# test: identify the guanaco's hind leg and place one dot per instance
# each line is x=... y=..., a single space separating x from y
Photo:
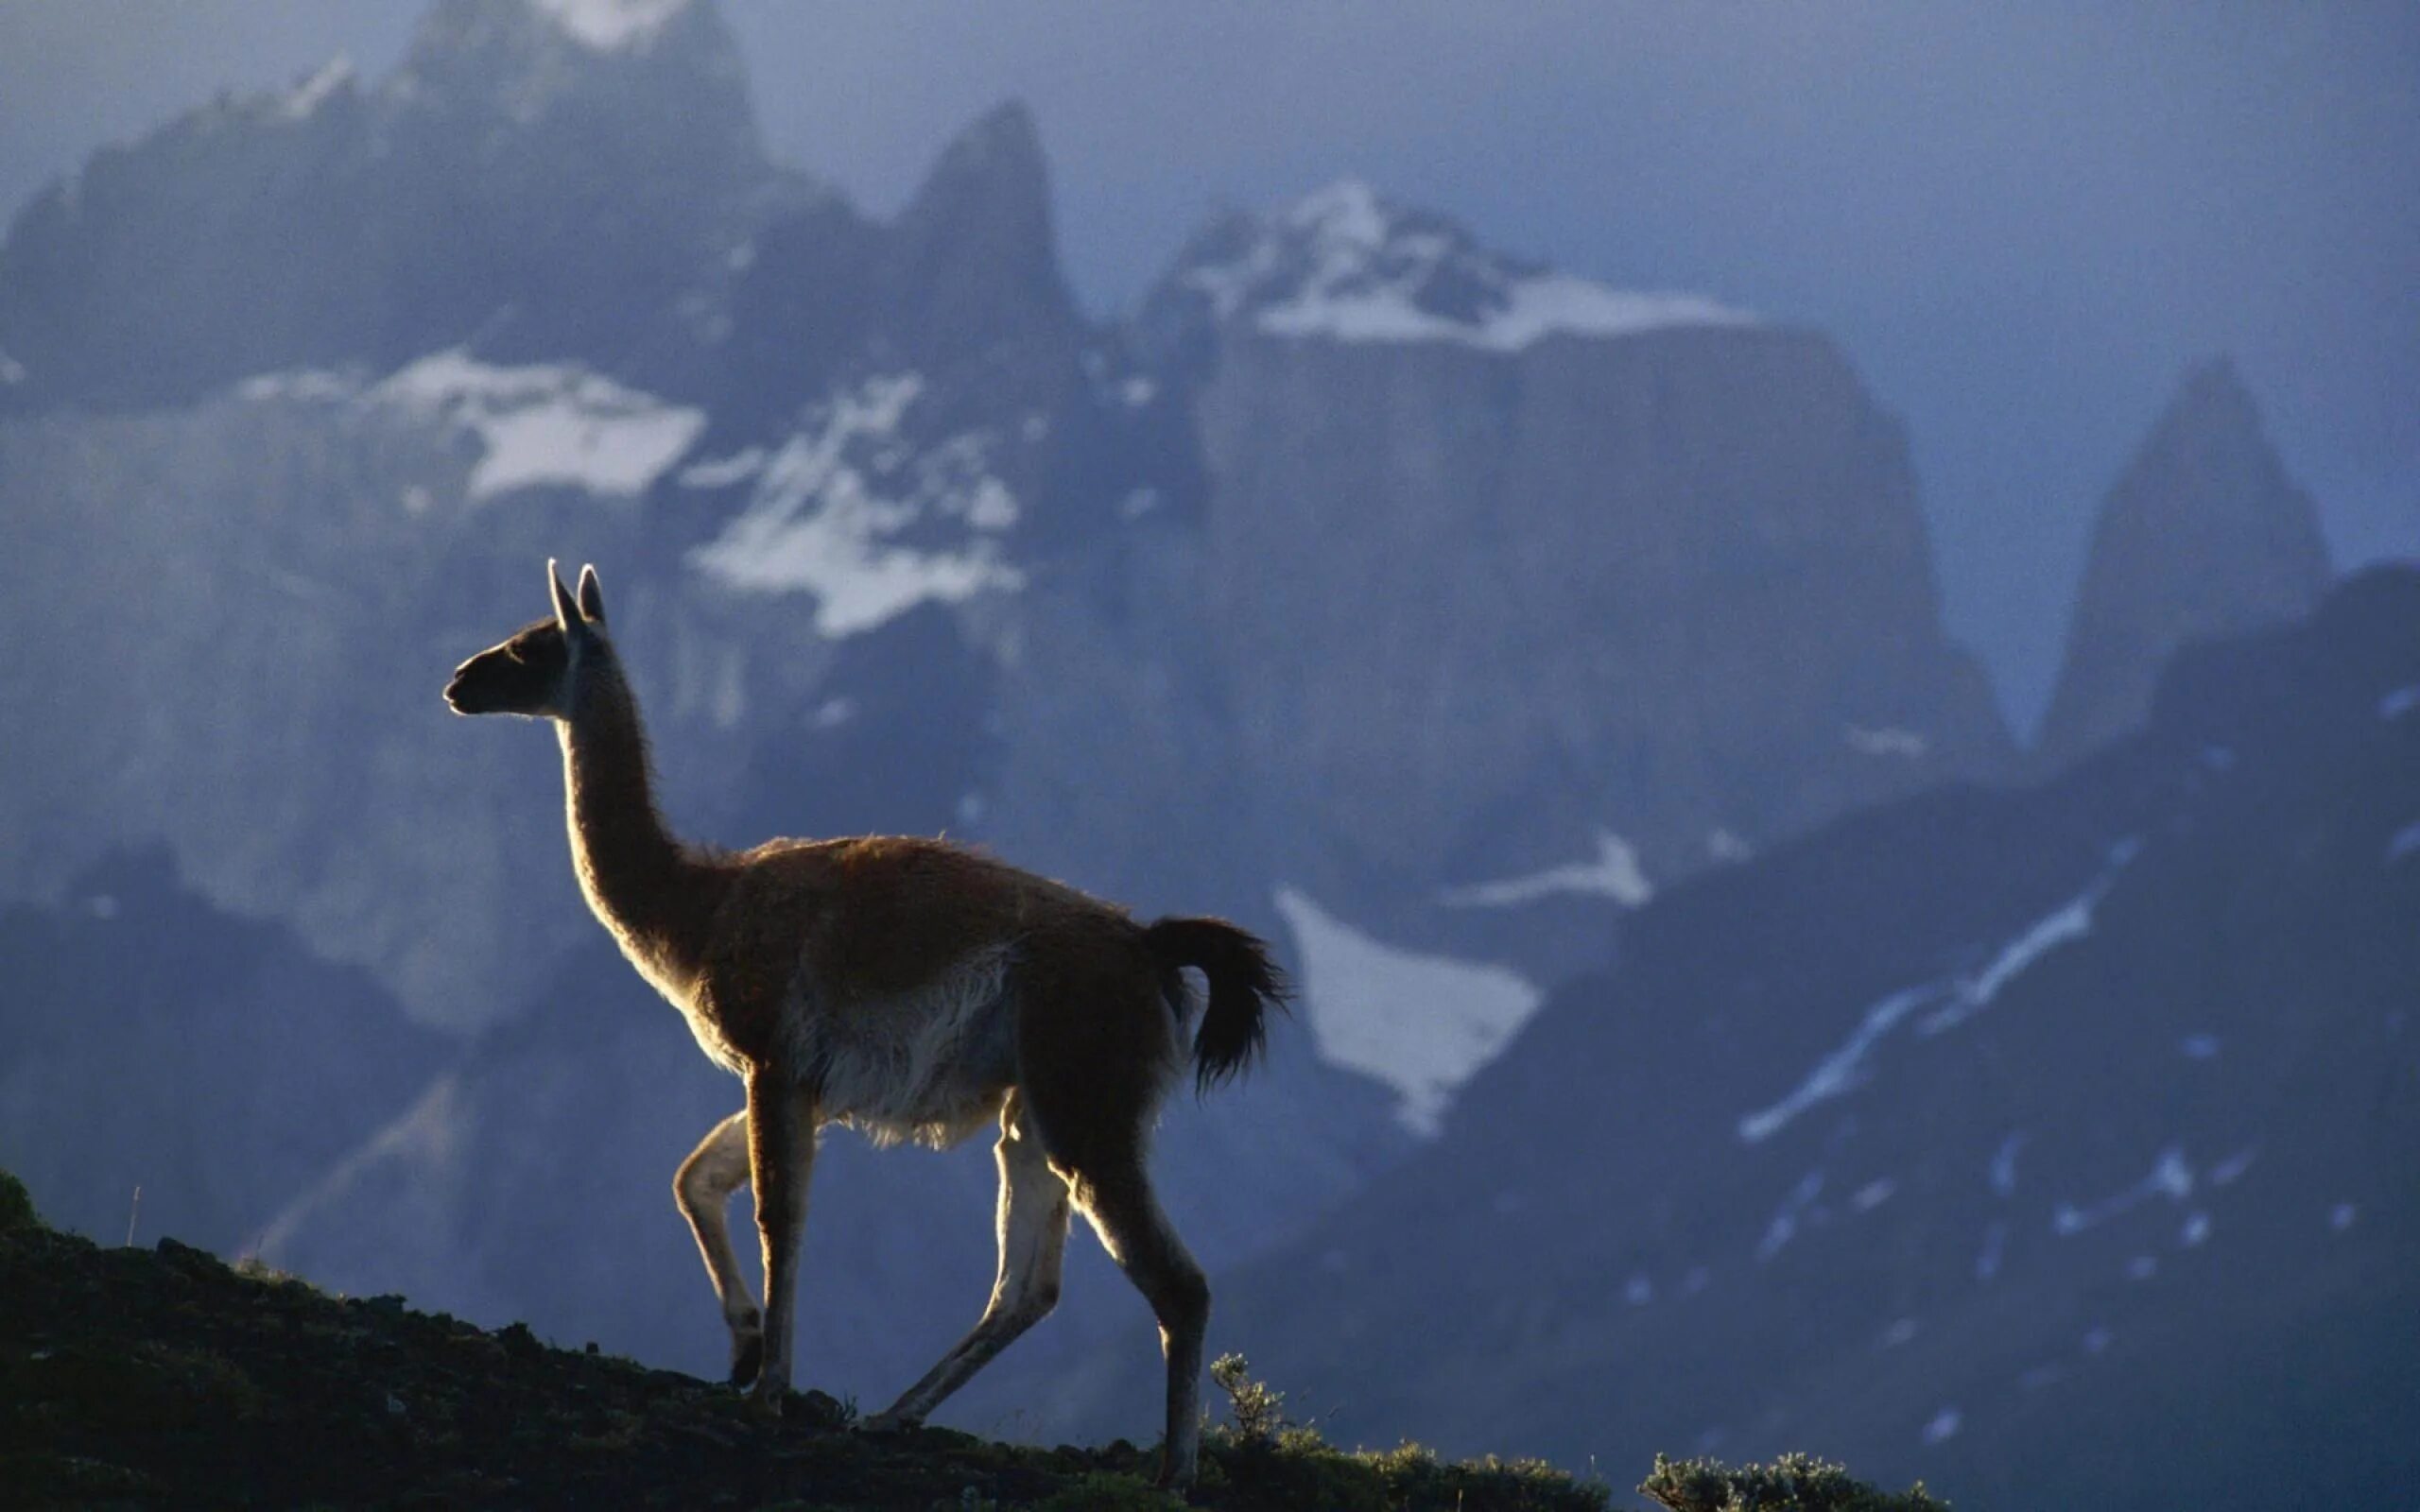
x=1115 y=1196
x=1033 y=1229
x=781 y=1159
x=712 y=1172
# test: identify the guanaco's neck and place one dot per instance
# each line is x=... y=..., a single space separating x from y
x=656 y=896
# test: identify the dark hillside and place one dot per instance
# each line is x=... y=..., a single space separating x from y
x=133 y=1378
x=163 y=1377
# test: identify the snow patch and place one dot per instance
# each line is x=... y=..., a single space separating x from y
x=1874 y=1195
x=1944 y=1426
x=1614 y=873
x=1889 y=740
x=1345 y=265
x=723 y=472
x=2400 y=703
x=611 y=26
x=430 y=1132
x=2170 y=1177
x=2199 y=1047
x=1721 y=844
x=1535 y=308
x=1842 y=1071
x=2068 y=922
x=1899 y=1333
x=1420 y=1023
x=547 y=425
x=11 y=370
x=304 y=99
x=2343 y=1216
x=1783 y=1227
x=1639 y=1291
x=833 y=508
x=2004 y=1163
x=304 y=386
x=2196 y=1231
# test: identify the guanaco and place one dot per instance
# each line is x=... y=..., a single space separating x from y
x=911 y=988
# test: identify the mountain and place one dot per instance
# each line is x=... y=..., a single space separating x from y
x=1419 y=606
x=2204 y=535
x=148 y=1053
x=528 y=182
x=1516 y=575
x=2051 y=1143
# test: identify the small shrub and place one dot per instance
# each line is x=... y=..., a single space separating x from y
x=16 y=1205
x=254 y=1268
x=1794 y=1483
x=1259 y=1411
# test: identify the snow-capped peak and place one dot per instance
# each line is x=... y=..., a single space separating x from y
x=1347 y=264
x=610 y=25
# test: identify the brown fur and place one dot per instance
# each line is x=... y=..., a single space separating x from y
x=914 y=987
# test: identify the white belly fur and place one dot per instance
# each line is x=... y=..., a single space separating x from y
x=930 y=1066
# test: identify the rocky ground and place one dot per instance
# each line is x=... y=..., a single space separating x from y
x=164 y=1377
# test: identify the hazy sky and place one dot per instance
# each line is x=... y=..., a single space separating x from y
x=2021 y=220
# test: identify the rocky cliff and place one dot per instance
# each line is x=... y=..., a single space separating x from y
x=1517 y=576
x=2204 y=535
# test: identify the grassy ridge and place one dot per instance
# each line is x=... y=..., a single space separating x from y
x=163 y=1377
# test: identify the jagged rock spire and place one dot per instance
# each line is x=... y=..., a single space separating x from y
x=2204 y=535
x=978 y=257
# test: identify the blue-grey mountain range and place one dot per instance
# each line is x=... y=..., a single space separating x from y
x=1451 y=620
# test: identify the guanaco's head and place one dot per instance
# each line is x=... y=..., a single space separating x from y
x=536 y=670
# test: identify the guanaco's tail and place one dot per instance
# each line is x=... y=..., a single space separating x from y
x=1244 y=984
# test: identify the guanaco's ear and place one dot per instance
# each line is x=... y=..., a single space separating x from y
x=566 y=613
x=591 y=596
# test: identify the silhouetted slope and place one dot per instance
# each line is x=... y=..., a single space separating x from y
x=162 y=1378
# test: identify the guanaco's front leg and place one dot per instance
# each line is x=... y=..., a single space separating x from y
x=780 y=1159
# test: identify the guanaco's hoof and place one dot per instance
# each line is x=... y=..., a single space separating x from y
x=768 y=1405
x=746 y=1359
x=885 y=1423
